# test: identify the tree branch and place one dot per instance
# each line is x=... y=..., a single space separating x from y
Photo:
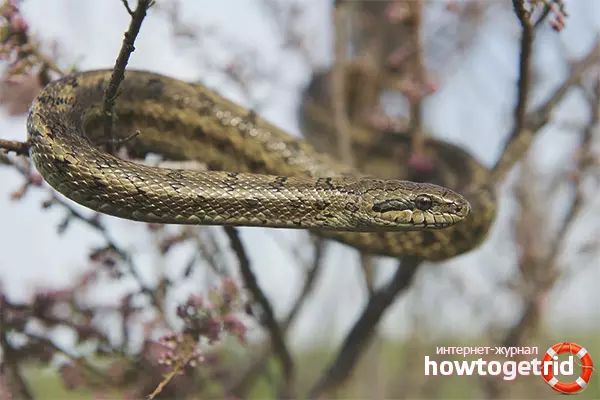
x=418 y=71
x=268 y=317
x=519 y=141
x=338 y=85
x=10 y=368
x=111 y=92
x=20 y=148
x=527 y=36
x=359 y=337
x=243 y=382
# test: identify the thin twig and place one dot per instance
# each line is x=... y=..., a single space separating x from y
x=94 y=222
x=46 y=61
x=368 y=266
x=542 y=18
x=268 y=317
x=244 y=381
x=527 y=36
x=520 y=137
x=359 y=337
x=540 y=116
x=18 y=384
x=176 y=369
x=311 y=277
x=80 y=361
x=545 y=270
x=20 y=148
x=416 y=103
x=338 y=86
x=118 y=73
x=581 y=163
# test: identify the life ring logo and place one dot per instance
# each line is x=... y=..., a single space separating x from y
x=549 y=367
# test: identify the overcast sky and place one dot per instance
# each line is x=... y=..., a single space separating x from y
x=472 y=110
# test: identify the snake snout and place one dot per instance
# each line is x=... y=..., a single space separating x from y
x=462 y=209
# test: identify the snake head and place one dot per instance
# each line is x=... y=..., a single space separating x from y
x=403 y=205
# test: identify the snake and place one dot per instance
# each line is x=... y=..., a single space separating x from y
x=386 y=153
x=257 y=175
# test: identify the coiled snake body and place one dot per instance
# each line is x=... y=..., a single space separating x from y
x=387 y=154
x=303 y=189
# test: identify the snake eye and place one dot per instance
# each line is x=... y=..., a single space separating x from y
x=423 y=202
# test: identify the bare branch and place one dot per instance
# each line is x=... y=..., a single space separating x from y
x=361 y=334
x=242 y=383
x=540 y=272
x=20 y=148
x=527 y=36
x=268 y=317
x=518 y=142
x=338 y=86
x=416 y=102
x=95 y=223
x=111 y=92
x=10 y=368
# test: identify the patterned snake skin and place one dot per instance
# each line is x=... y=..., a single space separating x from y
x=301 y=188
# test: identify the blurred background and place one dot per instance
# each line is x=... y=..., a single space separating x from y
x=82 y=292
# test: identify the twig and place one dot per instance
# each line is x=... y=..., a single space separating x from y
x=416 y=103
x=543 y=282
x=268 y=317
x=581 y=163
x=20 y=148
x=284 y=15
x=527 y=36
x=46 y=61
x=338 y=86
x=78 y=360
x=17 y=385
x=244 y=380
x=207 y=248
x=175 y=371
x=361 y=334
x=368 y=266
x=311 y=277
x=545 y=275
x=545 y=13
x=539 y=117
x=95 y=223
x=118 y=73
x=520 y=137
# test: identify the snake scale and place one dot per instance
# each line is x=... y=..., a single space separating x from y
x=387 y=154
x=258 y=175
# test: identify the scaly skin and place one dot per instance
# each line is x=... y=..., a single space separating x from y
x=274 y=180
x=386 y=154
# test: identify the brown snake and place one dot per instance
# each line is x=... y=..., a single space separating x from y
x=387 y=154
x=189 y=122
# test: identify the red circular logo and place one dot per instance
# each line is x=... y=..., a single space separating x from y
x=587 y=367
